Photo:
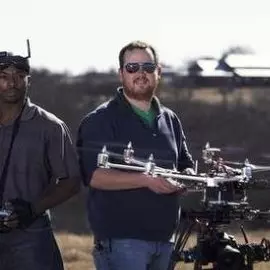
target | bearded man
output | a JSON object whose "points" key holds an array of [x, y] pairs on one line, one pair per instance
{"points": [[133, 215]]}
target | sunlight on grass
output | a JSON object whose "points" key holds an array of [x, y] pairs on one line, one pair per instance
{"points": [[76, 251]]}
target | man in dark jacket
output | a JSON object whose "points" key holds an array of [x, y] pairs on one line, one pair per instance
{"points": [[133, 215]]}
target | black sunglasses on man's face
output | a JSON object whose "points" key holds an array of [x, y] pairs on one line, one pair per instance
{"points": [[148, 67]]}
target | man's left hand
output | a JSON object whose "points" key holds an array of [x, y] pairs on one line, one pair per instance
{"points": [[22, 214], [189, 171]]}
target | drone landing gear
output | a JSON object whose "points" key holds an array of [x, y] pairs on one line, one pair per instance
{"points": [[215, 249]]}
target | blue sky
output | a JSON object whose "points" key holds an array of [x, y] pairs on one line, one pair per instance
{"points": [[75, 36]]}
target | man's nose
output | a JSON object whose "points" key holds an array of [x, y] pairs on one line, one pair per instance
{"points": [[11, 81], [142, 70]]}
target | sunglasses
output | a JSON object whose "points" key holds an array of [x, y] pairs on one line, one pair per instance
{"points": [[148, 67]]}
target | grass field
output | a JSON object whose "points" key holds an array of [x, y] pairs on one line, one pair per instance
{"points": [[76, 251]]}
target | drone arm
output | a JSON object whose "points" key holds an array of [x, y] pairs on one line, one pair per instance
{"points": [[231, 171]]}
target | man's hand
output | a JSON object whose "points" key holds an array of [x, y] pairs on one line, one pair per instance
{"points": [[160, 185], [189, 171], [22, 214], [4, 214]]}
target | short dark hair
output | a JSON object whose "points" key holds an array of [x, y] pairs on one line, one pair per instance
{"points": [[136, 45]]}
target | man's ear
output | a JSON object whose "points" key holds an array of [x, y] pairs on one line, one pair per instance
{"points": [[29, 80], [159, 71]]}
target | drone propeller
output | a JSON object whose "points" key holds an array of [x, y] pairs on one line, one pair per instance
{"points": [[227, 162], [260, 168], [211, 149], [246, 163]]}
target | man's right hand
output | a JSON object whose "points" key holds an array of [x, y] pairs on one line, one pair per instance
{"points": [[160, 185]]}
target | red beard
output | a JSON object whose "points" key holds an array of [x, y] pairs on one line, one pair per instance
{"points": [[142, 94]]}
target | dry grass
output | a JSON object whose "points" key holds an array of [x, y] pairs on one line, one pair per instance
{"points": [[209, 95], [76, 251]]}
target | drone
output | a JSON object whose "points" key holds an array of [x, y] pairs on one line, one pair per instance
{"points": [[224, 186]]}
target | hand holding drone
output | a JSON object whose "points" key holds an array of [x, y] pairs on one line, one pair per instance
{"points": [[223, 186]]}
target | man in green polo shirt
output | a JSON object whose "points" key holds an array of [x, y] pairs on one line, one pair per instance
{"points": [[133, 215]]}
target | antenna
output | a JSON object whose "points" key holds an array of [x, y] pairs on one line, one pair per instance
{"points": [[28, 49]]}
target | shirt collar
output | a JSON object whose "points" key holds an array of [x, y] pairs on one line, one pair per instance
{"points": [[29, 110]]}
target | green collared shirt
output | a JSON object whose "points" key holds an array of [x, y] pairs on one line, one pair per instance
{"points": [[147, 116]]}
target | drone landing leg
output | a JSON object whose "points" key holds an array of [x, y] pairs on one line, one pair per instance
{"points": [[198, 265], [248, 258], [182, 236]]}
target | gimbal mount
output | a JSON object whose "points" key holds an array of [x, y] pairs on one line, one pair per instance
{"points": [[220, 205]]}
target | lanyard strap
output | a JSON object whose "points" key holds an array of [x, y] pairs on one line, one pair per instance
{"points": [[3, 176]]}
